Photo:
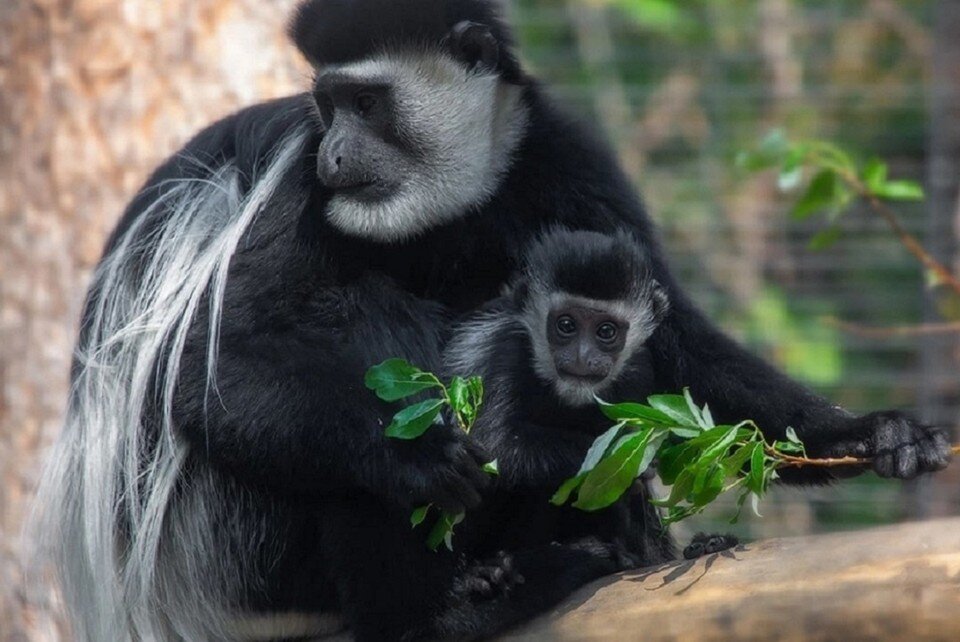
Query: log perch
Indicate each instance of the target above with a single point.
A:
(891, 583)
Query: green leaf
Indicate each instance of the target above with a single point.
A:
(792, 435)
(719, 449)
(820, 194)
(615, 474)
(599, 448)
(442, 531)
(775, 143)
(900, 191)
(791, 171)
(695, 410)
(563, 493)
(418, 515)
(679, 490)
(396, 379)
(675, 407)
(768, 154)
(674, 459)
(664, 16)
(874, 174)
(788, 447)
(459, 395)
(707, 490)
(677, 513)
(740, 501)
(492, 467)
(734, 463)
(827, 154)
(413, 421)
(754, 479)
(707, 417)
(824, 238)
(633, 412)
(475, 386)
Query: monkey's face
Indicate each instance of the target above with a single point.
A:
(582, 345)
(412, 140)
(586, 343)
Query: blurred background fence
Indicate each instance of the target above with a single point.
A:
(94, 93)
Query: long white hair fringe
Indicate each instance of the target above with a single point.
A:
(134, 547)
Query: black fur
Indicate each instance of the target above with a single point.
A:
(592, 265)
(708, 544)
(540, 439)
(342, 31)
(308, 310)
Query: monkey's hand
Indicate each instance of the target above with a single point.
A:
(708, 544)
(487, 579)
(897, 445)
(451, 478)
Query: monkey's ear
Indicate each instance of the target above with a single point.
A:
(474, 44)
(518, 291)
(661, 302)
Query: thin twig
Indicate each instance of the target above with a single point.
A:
(912, 244)
(920, 329)
(907, 239)
(790, 461)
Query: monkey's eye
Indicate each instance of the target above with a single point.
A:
(607, 332)
(566, 326)
(364, 102)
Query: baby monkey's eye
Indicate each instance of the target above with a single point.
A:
(566, 326)
(607, 331)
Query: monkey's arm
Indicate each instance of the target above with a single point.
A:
(690, 351)
(289, 408)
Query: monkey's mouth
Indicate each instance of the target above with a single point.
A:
(583, 379)
(366, 191)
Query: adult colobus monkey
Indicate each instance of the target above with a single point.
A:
(221, 458)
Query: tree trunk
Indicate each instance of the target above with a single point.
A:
(94, 94)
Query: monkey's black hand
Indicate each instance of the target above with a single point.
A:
(453, 479)
(487, 579)
(898, 446)
(619, 558)
(705, 544)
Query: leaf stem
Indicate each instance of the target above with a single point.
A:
(907, 239)
(792, 461)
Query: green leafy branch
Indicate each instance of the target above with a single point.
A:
(836, 181)
(396, 379)
(698, 459)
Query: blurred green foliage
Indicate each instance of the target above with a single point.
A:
(679, 88)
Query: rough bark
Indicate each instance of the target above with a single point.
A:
(891, 583)
(93, 93)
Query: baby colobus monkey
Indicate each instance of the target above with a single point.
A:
(571, 326)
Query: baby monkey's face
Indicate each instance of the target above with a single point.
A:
(586, 343)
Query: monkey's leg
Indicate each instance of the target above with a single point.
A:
(543, 576)
(388, 582)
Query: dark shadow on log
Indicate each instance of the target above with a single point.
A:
(891, 583)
